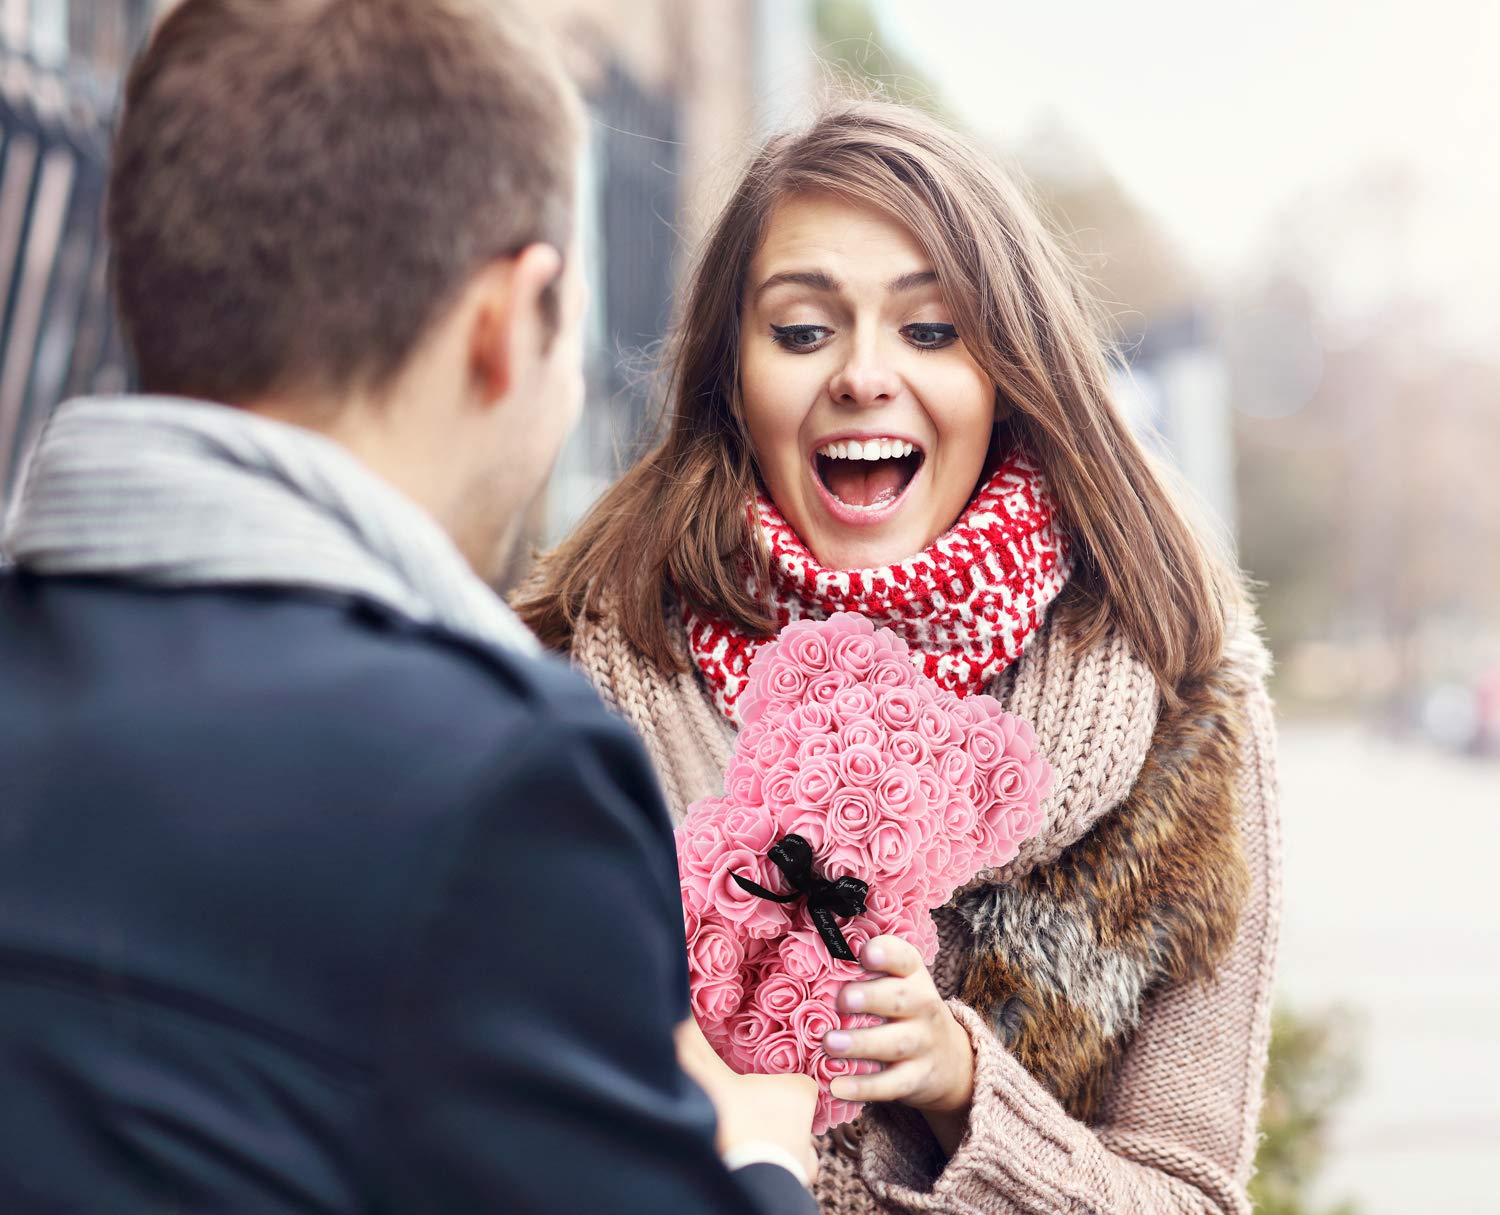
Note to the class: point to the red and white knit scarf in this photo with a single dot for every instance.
(966, 604)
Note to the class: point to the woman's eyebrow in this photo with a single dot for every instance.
(818, 280)
(821, 280)
(906, 282)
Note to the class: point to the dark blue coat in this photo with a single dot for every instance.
(308, 908)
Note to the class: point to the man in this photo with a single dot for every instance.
(319, 890)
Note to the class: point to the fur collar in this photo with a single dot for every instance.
(1060, 958)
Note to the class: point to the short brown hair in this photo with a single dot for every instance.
(678, 520)
(301, 187)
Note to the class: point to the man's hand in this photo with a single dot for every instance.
(759, 1109)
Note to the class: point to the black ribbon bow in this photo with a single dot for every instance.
(843, 896)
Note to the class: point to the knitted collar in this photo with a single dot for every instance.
(967, 604)
(172, 492)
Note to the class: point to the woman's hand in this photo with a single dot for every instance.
(762, 1109)
(929, 1060)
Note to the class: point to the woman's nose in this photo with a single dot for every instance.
(865, 379)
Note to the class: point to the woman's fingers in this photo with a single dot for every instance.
(891, 998)
(894, 1083)
(888, 1043)
(892, 956)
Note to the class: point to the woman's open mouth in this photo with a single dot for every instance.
(863, 480)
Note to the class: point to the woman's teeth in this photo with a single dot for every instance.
(869, 449)
(867, 473)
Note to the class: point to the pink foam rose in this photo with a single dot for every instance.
(846, 624)
(700, 839)
(861, 765)
(742, 784)
(809, 718)
(813, 1021)
(750, 1027)
(893, 848)
(861, 733)
(854, 704)
(996, 845)
(772, 748)
(771, 681)
(780, 1054)
(715, 1000)
(898, 708)
(925, 827)
(855, 653)
(749, 737)
(937, 726)
(899, 792)
(938, 853)
(1025, 736)
(1008, 781)
(908, 747)
(1022, 821)
(1042, 775)
(921, 934)
(985, 708)
(890, 673)
(857, 935)
(986, 744)
(959, 818)
(890, 779)
(755, 916)
(933, 789)
(954, 767)
(882, 906)
(822, 689)
(749, 827)
(816, 782)
(779, 995)
(853, 813)
(803, 955)
(892, 645)
(806, 643)
(695, 894)
(717, 1033)
(816, 746)
(779, 788)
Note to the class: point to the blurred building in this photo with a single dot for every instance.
(60, 66)
(677, 91)
(1171, 378)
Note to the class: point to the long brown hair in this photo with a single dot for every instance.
(676, 523)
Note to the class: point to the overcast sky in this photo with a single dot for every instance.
(1217, 116)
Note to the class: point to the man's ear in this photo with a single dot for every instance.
(512, 320)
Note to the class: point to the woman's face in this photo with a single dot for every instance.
(870, 419)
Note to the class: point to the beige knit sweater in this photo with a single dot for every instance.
(1178, 1129)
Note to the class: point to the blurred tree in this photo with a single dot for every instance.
(1136, 270)
(1366, 447)
(1312, 1070)
(850, 42)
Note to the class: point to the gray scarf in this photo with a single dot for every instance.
(182, 493)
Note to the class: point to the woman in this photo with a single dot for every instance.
(889, 394)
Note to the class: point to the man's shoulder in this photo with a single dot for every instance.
(291, 661)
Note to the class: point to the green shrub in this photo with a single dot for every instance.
(1313, 1069)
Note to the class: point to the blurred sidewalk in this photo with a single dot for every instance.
(1393, 908)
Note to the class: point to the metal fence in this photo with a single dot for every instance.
(60, 64)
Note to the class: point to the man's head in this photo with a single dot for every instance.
(359, 215)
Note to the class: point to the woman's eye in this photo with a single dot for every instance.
(799, 337)
(930, 337)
